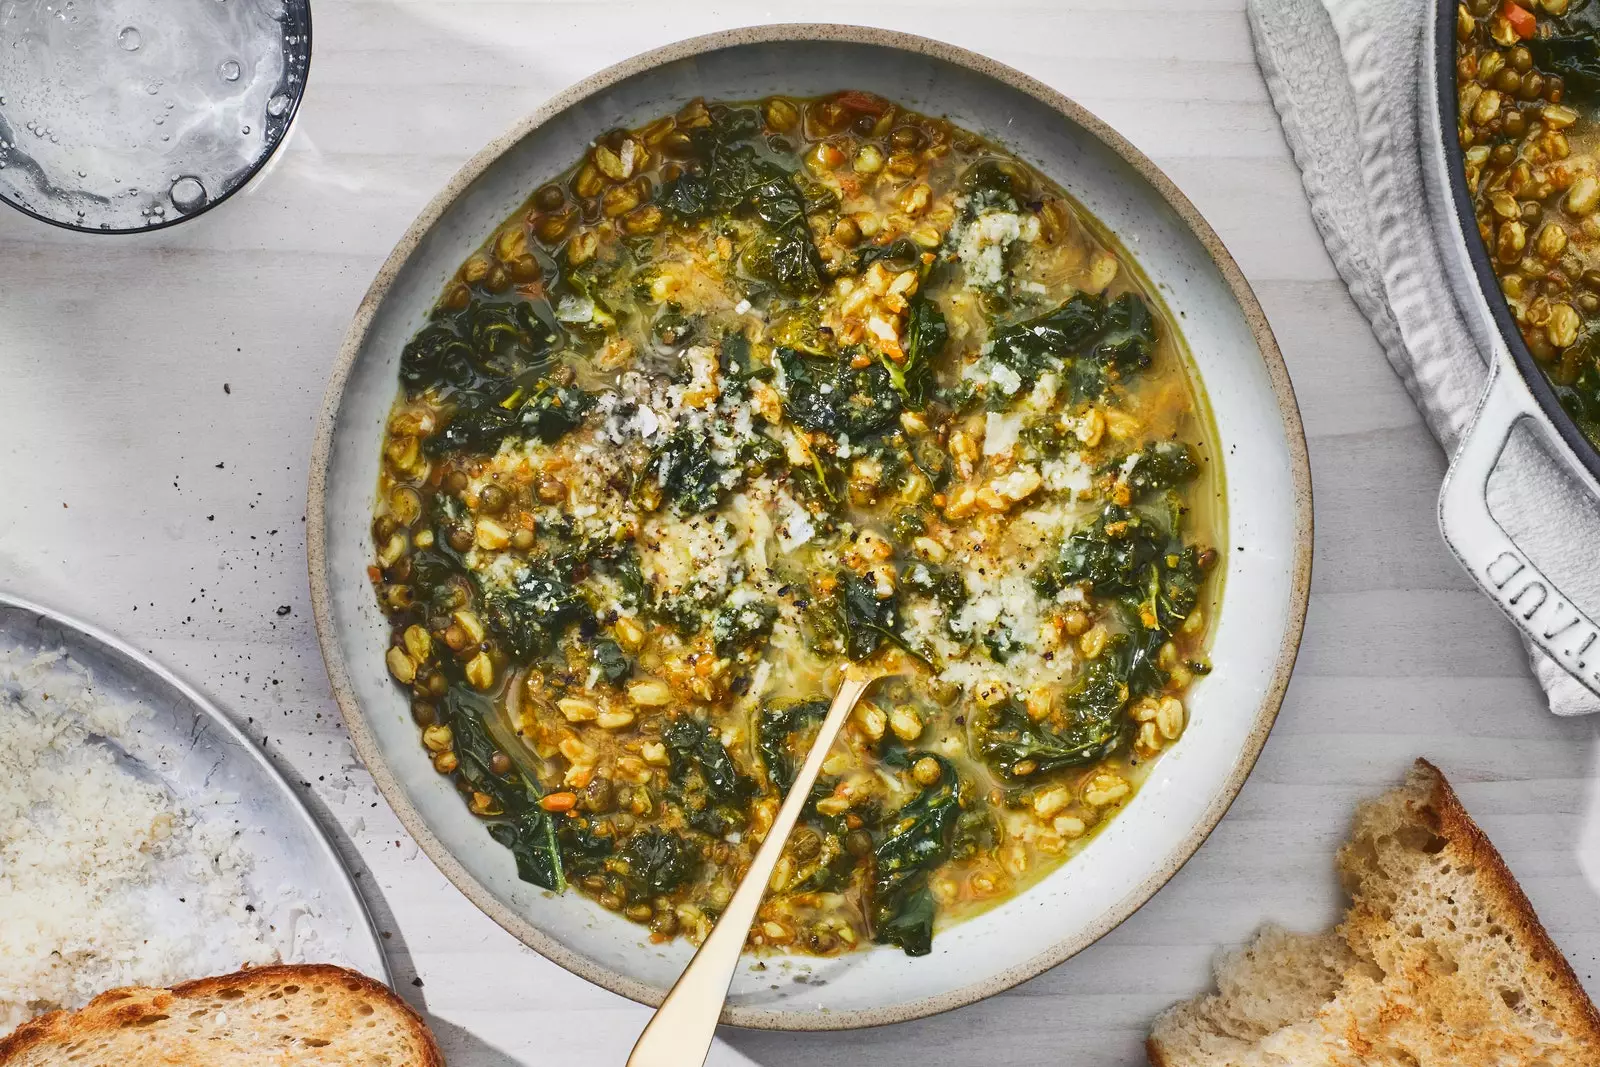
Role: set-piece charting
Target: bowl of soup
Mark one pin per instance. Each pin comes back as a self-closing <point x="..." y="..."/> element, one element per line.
<point x="707" y="382"/>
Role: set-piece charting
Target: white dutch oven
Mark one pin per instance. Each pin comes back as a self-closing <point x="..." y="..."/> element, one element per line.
<point x="1518" y="394"/>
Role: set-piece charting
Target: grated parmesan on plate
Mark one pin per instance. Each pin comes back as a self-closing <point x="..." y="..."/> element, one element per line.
<point x="105" y="879"/>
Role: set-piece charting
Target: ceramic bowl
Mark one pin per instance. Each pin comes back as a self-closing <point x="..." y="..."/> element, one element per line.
<point x="1268" y="559"/>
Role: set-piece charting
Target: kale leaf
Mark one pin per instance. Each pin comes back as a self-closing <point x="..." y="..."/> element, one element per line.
<point x="1097" y="726"/>
<point x="658" y="861"/>
<point x="1140" y="660"/>
<point x="1016" y="746"/>
<point x="1580" y="394"/>
<point x="1575" y="57"/>
<point x="439" y="578"/>
<point x="1161" y="466"/>
<point x="1570" y="47"/>
<point x="1133" y="557"/>
<point x="1102" y="690"/>
<point x="693" y="748"/>
<point x="583" y="852"/>
<point x="947" y="587"/>
<point x="867" y="620"/>
<point x="479" y="422"/>
<point x="1111" y="554"/>
<point x="466" y="713"/>
<point x="437" y="349"/>
<point x="735" y="360"/>
<point x="672" y="328"/>
<point x="898" y="255"/>
<point x="1092" y="341"/>
<point x="994" y="183"/>
<point x="1130" y="555"/>
<point x="786" y="259"/>
<point x="1047" y="342"/>
<point x="623" y="564"/>
<point x="729" y="176"/>
<point x="522" y="826"/>
<point x="686" y="471"/>
<point x="926" y="335"/>
<point x="536" y="610"/>
<point x="854" y="620"/>
<point x="482" y="343"/>
<point x="685" y="468"/>
<point x="1127" y="334"/>
<point x="551" y="411"/>
<point x="688" y="197"/>
<point x="759" y="452"/>
<point x="531" y="836"/>
<point x="835" y="398"/>
<point x="776" y="723"/>
<point x="705" y="781"/>
<point x="1173" y="588"/>
<point x="1001" y="643"/>
<point x="765" y="188"/>
<point x="613" y="662"/>
<point x="738" y="626"/>
<point x="915" y="839"/>
<point x="903" y="911"/>
<point x="683" y="611"/>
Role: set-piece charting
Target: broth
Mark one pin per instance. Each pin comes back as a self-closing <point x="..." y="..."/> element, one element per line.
<point x="751" y="392"/>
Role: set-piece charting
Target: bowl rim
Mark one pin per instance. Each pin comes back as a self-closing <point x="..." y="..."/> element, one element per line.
<point x="321" y="594"/>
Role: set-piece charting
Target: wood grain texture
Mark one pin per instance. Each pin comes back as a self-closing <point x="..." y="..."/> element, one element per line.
<point x="159" y="392"/>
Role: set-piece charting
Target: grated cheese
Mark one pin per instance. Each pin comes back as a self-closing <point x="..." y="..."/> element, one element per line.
<point x="1007" y="379"/>
<point x="94" y="858"/>
<point x="984" y="241"/>
<point x="1000" y="432"/>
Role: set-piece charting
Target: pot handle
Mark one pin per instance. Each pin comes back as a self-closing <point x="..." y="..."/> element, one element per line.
<point x="1530" y="599"/>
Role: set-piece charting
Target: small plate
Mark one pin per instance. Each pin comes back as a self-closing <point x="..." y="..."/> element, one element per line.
<point x="215" y="772"/>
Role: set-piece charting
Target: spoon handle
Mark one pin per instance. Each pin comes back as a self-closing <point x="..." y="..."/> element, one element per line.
<point x="680" y="1032"/>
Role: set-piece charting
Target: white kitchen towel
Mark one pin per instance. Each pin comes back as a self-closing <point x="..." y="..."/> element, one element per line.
<point x="1345" y="77"/>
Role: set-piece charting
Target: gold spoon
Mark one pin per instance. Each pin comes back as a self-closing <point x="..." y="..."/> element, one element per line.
<point x="680" y="1032"/>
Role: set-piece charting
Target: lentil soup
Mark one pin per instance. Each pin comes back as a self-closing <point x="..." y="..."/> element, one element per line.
<point x="1526" y="75"/>
<point x="753" y="391"/>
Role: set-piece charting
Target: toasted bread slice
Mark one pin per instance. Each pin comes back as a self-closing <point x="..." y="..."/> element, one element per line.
<point x="283" y="1016"/>
<point x="1440" y="962"/>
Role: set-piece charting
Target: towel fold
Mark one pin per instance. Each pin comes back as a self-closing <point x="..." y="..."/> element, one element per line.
<point x="1346" y="78"/>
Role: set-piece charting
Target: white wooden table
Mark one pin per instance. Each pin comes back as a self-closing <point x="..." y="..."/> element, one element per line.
<point x="157" y="395"/>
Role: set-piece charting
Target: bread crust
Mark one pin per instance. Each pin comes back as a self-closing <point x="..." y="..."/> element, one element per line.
<point x="1413" y="864"/>
<point x="129" y="1005"/>
<point x="1574" y="1011"/>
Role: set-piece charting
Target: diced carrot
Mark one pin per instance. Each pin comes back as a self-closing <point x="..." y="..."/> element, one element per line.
<point x="1521" y="19"/>
<point x="558" y="801"/>
<point x="856" y="100"/>
<point x="374" y="574"/>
